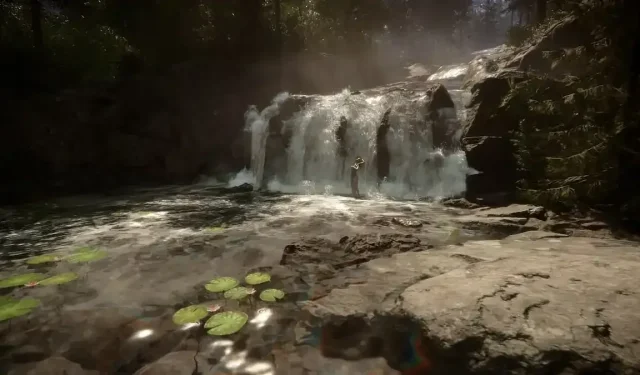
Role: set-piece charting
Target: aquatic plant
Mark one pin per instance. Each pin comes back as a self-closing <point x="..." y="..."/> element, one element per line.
<point x="221" y="284"/>
<point x="41" y="259"/>
<point x="11" y="308"/>
<point x="190" y="314"/>
<point x="239" y="292"/>
<point x="271" y="295"/>
<point x="62" y="278"/>
<point x="226" y="323"/>
<point x="20" y="280"/>
<point x="257" y="278"/>
<point x="86" y="254"/>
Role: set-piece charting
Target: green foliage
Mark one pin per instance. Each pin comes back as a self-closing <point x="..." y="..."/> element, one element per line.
<point x="62" y="278"/>
<point x="20" y="280"/>
<point x="239" y="292"/>
<point x="271" y="295"/>
<point x="221" y="284"/>
<point x="226" y="323"/>
<point x="257" y="278"/>
<point x="190" y="314"/>
<point x="11" y="308"/>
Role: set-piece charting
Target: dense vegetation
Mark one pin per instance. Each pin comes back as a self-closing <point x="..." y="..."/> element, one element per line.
<point x="57" y="44"/>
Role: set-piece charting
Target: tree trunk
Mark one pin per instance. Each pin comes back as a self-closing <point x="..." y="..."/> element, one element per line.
<point x="36" y="25"/>
<point x="278" y="21"/>
<point x="541" y="10"/>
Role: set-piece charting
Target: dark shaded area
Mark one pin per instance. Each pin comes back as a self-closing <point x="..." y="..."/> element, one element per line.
<point x="383" y="156"/>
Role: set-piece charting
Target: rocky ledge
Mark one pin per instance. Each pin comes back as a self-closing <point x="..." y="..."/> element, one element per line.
<point x="533" y="303"/>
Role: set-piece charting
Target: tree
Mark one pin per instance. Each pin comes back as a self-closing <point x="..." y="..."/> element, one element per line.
<point x="36" y="25"/>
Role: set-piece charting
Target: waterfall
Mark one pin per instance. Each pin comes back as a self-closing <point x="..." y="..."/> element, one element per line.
<point x="258" y="124"/>
<point x="316" y="164"/>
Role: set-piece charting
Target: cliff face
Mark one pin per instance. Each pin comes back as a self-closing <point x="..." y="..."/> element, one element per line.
<point x="548" y="115"/>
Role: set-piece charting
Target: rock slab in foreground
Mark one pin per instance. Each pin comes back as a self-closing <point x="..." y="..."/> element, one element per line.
<point x="548" y="306"/>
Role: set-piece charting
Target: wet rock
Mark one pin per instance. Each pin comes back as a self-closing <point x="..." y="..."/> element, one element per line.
<point x="244" y="188"/>
<point x="313" y="360"/>
<point x="53" y="366"/>
<point x="383" y="156"/>
<point x="348" y="251"/>
<point x="459" y="203"/>
<point x="406" y="222"/>
<point x="535" y="235"/>
<point x="176" y="363"/>
<point x="514" y="210"/>
<point x="536" y="304"/>
<point x="440" y="111"/>
<point x="493" y="158"/>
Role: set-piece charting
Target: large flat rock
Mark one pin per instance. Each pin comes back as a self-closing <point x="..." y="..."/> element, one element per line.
<point x="527" y="304"/>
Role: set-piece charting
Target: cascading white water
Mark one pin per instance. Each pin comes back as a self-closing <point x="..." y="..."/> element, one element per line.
<point x="258" y="124"/>
<point x="312" y="153"/>
<point x="313" y="161"/>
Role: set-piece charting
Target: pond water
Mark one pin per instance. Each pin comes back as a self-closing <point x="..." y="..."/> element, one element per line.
<point x="161" y="247"/>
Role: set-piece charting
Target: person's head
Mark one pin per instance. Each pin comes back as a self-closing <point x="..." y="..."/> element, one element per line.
<point x="359" y="160"/>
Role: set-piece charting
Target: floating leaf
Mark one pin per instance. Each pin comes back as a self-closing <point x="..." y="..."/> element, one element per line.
<point x="215" y="229"/>
<point x="13" y="308"/>
<point x="45" y="258"/>
<point x="190" y="314"/>
<point x="62" y="278"/>
<point x="5" y="299"/>
<point x="221" y="284"/>
<point x="238" y="293"/>
<point x="86" y="254"/>
<point x="271" y="295"/>
<point x="226" y="323"/>
<point x="21" y="280"/>
<point x="257" y="278"/>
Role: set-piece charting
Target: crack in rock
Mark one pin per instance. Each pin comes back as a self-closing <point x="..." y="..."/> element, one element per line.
<point x="528" y="309"/>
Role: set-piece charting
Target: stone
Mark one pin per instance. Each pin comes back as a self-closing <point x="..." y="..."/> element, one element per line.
<point x="513" y="210"/>
<point x="348" y="251"/>
<point x="536" y="303"/>
<point x="176" y="363"/>
<point x="53" y="366"/>
<point x="442" y="117"/>
<point x="493" y="158"/>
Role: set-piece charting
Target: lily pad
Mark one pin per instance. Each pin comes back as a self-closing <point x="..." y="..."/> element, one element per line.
<point x="238" y="293"/>
<point x="226" y="323"/>
<point x="21" y="280"/>
<point x="257" y="278"/>
<point x="221" y="284"/>
<point x="86" y="254"/>
<point x="62" y="278"/>
<point x="45" y="258"/>
<point x="190" y="314"/>
<point x="15" y="308"/>
<point x="271" y="295"/>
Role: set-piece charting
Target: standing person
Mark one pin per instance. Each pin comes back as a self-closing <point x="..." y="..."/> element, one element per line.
<point x="354" y="176"/>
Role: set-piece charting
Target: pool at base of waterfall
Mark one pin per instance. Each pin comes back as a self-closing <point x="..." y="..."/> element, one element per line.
<point x="160" y="249"/>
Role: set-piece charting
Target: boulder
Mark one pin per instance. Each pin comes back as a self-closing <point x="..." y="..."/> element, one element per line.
<point x="52" y="366"/>
<point x="544" y="304"/>
<point x="441" y="116"/>
<point x="493" y="157"/>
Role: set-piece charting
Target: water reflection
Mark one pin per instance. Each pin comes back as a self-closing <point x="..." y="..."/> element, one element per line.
<point x="261" y="318"/>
